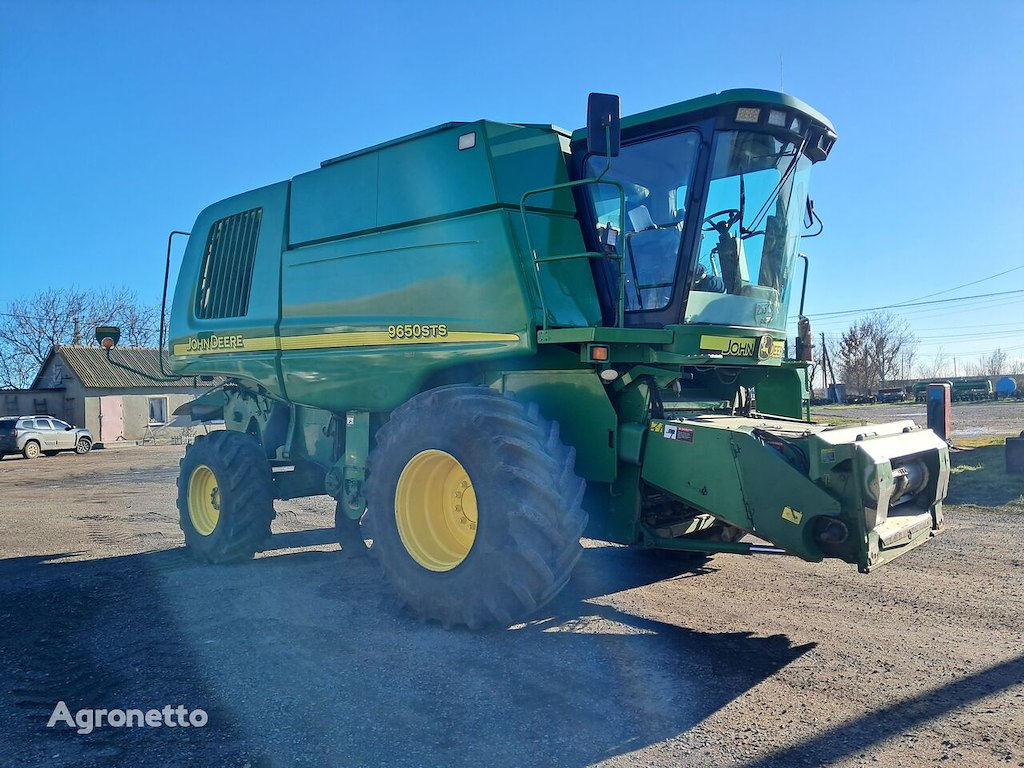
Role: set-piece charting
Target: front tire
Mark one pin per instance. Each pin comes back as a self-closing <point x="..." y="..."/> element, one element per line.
<point x="225" y="497"/>
<point x="83" y="446"/>
<point x="473" y="506"/>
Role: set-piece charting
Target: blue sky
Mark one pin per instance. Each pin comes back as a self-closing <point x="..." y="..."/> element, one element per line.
<point x="120" y="121"/>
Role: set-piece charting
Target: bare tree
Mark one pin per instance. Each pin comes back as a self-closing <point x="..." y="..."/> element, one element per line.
<point x="875" y="350"/>
<point x="31" y="326"/>
<point x="935" y="367"/>
<point x="992" y="364"/>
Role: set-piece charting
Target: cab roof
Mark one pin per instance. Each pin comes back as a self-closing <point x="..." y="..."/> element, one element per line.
<point x="712" y="102"/>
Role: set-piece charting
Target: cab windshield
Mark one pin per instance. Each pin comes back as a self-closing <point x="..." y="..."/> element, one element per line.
<point x="740" y="266"/>
<point x="656" y="176"/>
<point x="750" y="231"/>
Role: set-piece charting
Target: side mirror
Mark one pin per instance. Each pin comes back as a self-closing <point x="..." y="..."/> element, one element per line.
<point x="68" y="429"/>
<point x="108" y="336"/>
<point x="804" y="340"/>
<point x="603" y="124"/>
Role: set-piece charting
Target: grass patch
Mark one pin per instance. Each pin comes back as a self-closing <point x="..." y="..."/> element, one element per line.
<point x="838" y="421"/>
<point x="978" y="475"/>
<point x="981" y="441"/>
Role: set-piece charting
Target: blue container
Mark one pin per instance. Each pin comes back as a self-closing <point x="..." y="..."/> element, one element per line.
<point x="1006" y="386"/>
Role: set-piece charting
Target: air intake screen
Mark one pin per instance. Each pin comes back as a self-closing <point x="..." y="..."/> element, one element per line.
<point x="226" y="276"/>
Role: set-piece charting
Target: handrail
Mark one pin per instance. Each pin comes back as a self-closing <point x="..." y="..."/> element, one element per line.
<point x="166" y="377"/>
<point x="538" y="260"/>
<point x="163" y="300"/>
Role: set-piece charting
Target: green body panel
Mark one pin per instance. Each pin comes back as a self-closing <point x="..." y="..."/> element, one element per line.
<point x="784" y="392"/>
<point x="576" y="399"/>
<point x="457" y="273"/>
<point x="263" y="313"/>
<point x="615" y="508"/>
<point x="571" y="298"/>
<point x="700" y="471"/>
<point x="416" y="235"/>
<point x="619" y="336"/>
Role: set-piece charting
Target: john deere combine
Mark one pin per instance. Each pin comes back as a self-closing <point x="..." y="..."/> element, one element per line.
<point x="486" y="340"/>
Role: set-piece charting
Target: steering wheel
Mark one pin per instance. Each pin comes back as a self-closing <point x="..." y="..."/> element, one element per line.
<point x="732" y="214"/>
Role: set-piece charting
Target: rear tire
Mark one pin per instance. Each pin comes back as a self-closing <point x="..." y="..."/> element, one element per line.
<point x="83" y="446"/>
<point x="473" y="506"/>
<point x="225" y="497"/>
<point x="31" y="450"/>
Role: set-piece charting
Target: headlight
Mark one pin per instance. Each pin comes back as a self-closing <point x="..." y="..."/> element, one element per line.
<point x="871" y="486"/>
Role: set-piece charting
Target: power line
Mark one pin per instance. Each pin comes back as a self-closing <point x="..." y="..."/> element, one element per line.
<point x="929" y="314"/>
<point x="996" y="334"/>
<point x="914" y="304"/>
<point x="965" y="285"/>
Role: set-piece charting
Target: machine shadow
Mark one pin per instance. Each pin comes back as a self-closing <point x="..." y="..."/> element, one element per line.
<point x="900" y="717"/>
<point x="305" y="658"/>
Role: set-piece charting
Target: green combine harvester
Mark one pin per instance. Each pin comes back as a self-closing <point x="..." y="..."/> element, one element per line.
<point x="486" y="340"/>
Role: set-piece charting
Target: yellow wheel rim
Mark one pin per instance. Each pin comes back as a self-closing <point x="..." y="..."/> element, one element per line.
<point x="203" y="500"/>
<point x="435" y="509"/>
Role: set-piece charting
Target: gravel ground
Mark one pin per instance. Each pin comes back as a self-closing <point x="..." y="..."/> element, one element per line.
<point x="971" y="419"/>
<point x="303" y="658"/>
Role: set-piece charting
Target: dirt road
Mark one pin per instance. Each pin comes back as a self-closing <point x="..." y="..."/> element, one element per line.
<point x="303" y="658"/>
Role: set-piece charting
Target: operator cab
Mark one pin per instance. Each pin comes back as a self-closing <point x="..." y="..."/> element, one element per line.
<point x="715" y="196"/>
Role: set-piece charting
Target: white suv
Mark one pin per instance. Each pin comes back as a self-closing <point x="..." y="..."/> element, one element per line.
<point x="32" y="435"/>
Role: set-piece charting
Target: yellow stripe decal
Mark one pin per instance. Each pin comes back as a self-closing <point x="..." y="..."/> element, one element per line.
<point x="224" y="344"/>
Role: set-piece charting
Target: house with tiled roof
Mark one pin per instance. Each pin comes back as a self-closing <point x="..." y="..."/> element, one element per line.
<point x="79" y="385"/>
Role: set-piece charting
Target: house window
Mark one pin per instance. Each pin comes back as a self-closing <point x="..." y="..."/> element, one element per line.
<point x="226" y="274"/>
<point x="158" y="410"/>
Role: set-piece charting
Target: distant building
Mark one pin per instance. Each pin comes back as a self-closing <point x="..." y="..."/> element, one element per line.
<point x="78" y="385"/>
